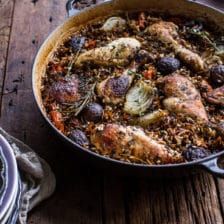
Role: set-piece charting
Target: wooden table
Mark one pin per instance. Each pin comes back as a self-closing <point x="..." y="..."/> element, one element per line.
<point x="83" y="194"/>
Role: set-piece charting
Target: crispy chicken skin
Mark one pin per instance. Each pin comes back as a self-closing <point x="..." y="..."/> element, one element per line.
<point x="117" y="139"/>
<point x="114" y="89"/>
<point x="166" y="32"/>
<point x="65" y="90"/>
<point x="118" y="52"/>
<point x="183" y="97"/>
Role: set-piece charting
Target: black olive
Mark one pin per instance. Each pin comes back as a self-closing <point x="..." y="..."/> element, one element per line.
<point x="79" y="137"/>
<point x="77" y="43"/>
<point x="217" y="74"/>
<point x="168" y="65"/>
<point x="193" y="153"/>
<point x="93" y="112"/>
<point x="143" y="57"/>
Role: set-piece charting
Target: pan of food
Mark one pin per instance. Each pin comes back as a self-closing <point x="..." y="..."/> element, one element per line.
<point x="137" y="86"/>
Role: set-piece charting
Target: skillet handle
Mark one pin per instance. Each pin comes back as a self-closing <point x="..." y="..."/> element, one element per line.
<point x="70" y="7"/>
<point x="213" y="167"/>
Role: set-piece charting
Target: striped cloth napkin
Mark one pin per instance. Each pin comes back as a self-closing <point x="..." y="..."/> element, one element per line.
<point x="37" y="180"/>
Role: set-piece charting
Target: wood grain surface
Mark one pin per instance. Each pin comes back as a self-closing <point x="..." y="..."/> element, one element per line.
<point x="84" y="195"/>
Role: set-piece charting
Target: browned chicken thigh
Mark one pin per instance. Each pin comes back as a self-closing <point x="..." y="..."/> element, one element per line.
<point x="166" y="32"/>
<point x="65" y="90"/>
<point x="183" y="97"/>
<point x="127" y="140"/>
<point x="117" y="52"/>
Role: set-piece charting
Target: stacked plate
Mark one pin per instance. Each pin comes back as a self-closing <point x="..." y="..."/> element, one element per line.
<point x="9" y="184"/>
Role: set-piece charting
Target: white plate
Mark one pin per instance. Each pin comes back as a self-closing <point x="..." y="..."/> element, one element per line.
<point x="11" y="178"/>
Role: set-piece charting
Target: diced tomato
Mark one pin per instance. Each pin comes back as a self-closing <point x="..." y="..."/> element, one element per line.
<point x="57" y="120"/>
<point x="56" y="68"/>
<point x="142" y="20"/>
<point x="90" y="43"/>
<point x="150" y="73"/>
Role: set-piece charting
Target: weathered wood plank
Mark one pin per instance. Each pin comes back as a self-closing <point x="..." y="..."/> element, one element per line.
<point x="31" y="25"/>
<point x="157" y="201"/>
<point x="20" y="115"/>
<point x="201" y="199"/>
<point x="6" y="12"/>
<point x="185" y="200"/>
<point x="73" y="203"/>
<point x="177" y="212"/>
<point x="138" y="209"/>
<point x="113" y="200"/>
<point x="220" y="189"/>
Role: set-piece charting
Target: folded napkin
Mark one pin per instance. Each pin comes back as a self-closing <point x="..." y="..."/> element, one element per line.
<point x="37" y="180"/>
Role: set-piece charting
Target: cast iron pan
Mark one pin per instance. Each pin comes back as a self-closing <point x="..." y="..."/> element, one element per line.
<point x="212" y="164"/>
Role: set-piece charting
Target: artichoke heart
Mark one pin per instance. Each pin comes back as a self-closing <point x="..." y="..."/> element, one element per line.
<point x="139" y="98"/>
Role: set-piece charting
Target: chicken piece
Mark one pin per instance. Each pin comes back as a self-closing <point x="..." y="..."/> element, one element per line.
<point x="114" y="89"/>
<point x="166" y="32"/>
<point x="183" y="97"/>
<point x="65" y="90"/>
<point x="118" y="52"/>
<point x="216" y="96"/>
<point x="127" y="140"/>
